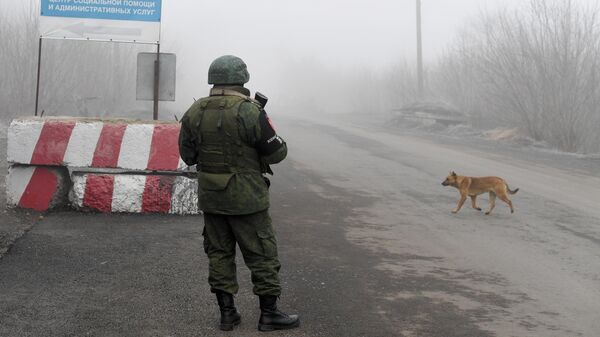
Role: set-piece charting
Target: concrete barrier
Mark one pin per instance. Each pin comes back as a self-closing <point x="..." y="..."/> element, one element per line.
<point x="37" y="188"/>
<point x="115" y="165"/>
<point x="88" y="143"/>
<point x="122" y="193"/>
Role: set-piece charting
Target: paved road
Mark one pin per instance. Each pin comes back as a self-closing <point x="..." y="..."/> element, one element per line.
<point x="534" y="273"/>
<point x="367" y="241"/>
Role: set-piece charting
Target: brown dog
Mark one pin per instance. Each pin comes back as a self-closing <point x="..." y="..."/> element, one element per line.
<point x="472" y="187"/>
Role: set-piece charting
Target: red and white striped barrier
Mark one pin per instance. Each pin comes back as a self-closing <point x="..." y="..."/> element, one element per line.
<point x="82" y="143"/>
<point x="122" y="193"/>
<point x="114" y="166"/>
<point x="37" y="188"/>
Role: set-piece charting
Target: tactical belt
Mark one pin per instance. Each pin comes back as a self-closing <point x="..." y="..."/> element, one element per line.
<point x="218" y="170"/>
<point x="229" y="92"/>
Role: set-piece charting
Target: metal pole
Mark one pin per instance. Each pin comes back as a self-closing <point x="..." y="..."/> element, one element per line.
<point x="419" y="51"/>
<point x="156" y="81"/>
<point x="39" y="68"/>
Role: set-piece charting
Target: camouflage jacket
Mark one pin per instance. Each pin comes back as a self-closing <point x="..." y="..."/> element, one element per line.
<point x="230" y="139"/>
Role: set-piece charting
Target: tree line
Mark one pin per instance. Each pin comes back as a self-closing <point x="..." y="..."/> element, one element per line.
<point x="536" y="67"/>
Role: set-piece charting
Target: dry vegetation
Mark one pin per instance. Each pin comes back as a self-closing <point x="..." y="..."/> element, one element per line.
<point x="77" y="78"/>
<point x="536" y="68"/>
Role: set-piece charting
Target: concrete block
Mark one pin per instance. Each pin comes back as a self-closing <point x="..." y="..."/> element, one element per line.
<point x="92" y="143"/>
<point x="37" y="188"/>
<point x="131" y="193"/>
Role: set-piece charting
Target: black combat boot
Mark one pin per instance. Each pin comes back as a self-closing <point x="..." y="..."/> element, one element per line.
<point x="229" y="315"/>
<point x="273" y="319"/>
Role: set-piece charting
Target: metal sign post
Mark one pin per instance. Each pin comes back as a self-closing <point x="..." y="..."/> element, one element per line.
<point x="109" y="21"/>
<point x="39" y="68"/>
<point x="156" y="82"/>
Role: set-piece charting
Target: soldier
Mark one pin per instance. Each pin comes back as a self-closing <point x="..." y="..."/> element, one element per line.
<point x="231" y="140"/>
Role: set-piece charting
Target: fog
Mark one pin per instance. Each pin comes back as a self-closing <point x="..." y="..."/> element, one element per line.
<point x="350" y="33"/>
<point x="273" y="37"/>
<point x="333" y="57"/>
<point x="370" y="242"/>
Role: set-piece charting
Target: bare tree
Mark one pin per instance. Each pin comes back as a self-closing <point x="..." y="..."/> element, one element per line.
<point x="78" y="78"/>
<point x="537" y="69"/>
<point x="400" y="83"/>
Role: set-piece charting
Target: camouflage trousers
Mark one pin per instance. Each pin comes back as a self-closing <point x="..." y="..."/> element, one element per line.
<point x="255" y="236"/>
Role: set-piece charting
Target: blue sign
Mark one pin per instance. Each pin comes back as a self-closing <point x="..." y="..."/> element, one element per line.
<point x="130" y="10"/>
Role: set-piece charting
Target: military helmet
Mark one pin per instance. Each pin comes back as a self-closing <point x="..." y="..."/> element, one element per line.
<point x="228" y="69"/>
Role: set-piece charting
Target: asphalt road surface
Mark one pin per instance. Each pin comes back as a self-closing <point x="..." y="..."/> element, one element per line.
<point x="367" y="242"/>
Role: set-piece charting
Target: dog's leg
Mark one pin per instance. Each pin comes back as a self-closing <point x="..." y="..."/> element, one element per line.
<point x="492" y="203"/>
<point x="463" y="198"/>
<point x="505" y="198"/>
<point x="474" y="202"/>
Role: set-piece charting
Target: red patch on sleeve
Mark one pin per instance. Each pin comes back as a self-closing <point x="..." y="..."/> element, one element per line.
<point x="270" y="123"/>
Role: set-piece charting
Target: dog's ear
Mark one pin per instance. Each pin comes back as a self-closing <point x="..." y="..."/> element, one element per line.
<point x="453" y="173"/>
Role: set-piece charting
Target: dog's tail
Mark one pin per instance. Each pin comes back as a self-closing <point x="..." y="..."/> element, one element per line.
<point x="510" y="191"/>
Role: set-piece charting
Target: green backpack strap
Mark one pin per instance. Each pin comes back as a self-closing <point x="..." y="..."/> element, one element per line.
<point x="229" y="92"/>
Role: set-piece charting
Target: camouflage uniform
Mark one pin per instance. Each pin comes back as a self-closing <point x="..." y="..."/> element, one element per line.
<point x="229" y="137"/>
<point x="231" y="140"/>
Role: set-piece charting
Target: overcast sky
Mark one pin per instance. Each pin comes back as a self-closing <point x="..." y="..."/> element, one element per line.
<point x="268" y="34"/>
<point x="337" y="32"/>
